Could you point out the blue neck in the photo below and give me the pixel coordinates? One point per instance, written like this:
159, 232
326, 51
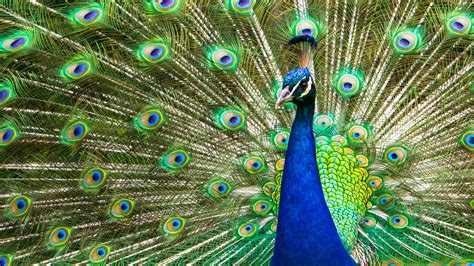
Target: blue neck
306, 233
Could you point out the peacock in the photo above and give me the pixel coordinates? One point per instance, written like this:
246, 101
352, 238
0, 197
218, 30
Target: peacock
236, 132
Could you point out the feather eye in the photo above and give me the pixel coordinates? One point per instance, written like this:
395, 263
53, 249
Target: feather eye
349, 83
58, 237
174, 225
386, 201
165, 6
395, 155
406, 41
369, 221
459, 25
357, 134
175, 159
242, 6
467, 140
6, 92
254, 164
8, 134
76, 69
268, 188
219, 188
99, 253
121, 209
280, 164
262, 207
150, 118
280, 139
230, 119
223, 59
392, 263
74, 131
374, 182
5, 260
93, 178
306, 27
340, 139
322, 122
15, 42
87, 15
18, 207
273, 226
362, 160
398, 221
247, 230
154, 52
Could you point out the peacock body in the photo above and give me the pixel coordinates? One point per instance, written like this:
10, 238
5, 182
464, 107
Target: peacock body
145, 132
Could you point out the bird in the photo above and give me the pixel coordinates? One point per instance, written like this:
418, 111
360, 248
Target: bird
246, 132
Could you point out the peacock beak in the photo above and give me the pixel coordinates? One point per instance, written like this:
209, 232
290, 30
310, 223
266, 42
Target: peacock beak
284, 96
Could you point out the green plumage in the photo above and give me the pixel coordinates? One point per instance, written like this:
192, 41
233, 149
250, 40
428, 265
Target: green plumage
145, 131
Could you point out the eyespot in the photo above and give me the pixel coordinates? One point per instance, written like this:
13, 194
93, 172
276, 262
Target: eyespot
348, 85
362, 160
262, 207
174, 225
153, 53
93, 178
175, 160
99, 253
374, 182
254, 165
5, 260
165, 6
76, 69
18, 207
7, 135
467, 140
406, 41
247, 230
280, 139
219, 189
398, 221
150, 119
230, 119
340, 139
88, 16
280, 164
395, 155
269, 188
6, 93
58, 237
386, 201
121, 209
273, 226
357, 134
322, 122
392, 263
242, 6
369, 221
74, 132
459, 25
306, 27
15, 42
224, 59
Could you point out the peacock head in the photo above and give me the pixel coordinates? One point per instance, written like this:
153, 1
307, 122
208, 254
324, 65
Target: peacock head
298, 87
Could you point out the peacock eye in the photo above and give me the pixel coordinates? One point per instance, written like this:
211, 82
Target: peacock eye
357, 134
174, 225
219, 189
6, 92
74, 132
268, 188
395, 155
224, 59
15, 42
153, 52
398, 221
369, 221
280, 164
280, 139
262, 207
242, 6
254, 165
386, 201
467, 140
175, 160
88, 16
99, 253
230, 119
406, 41
7, 135
362, 161
58, 237
306, 27
76, 69
150, 119
19, 206
348, 84
121, 209
5, 260
165, 6
459, 25
322, 122
93, 178
374, 182
247, 230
